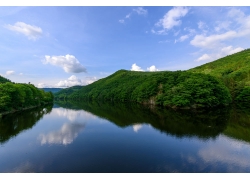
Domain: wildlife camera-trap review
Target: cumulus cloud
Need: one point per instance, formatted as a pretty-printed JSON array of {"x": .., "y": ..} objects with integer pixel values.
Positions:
[
  {"x": 64, "y": 136},
  {"x": 68, "y": 62},
  {"x": 152, "y": 68},
  {"x": 140, "y": 11},
  {"x": 136, "y": 68},
  {"x": 73, "y": 81},
  {"x": 172, "y": 18},
  {"x": 32, "y": 32},
  {"x": 8, "y": 73}
]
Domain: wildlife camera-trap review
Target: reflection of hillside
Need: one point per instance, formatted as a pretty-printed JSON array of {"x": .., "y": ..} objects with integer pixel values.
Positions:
[
  {"x": 13, "y": 124},
  {"x": 177, "y": 123},
  {"x": 239, "y": 124}
]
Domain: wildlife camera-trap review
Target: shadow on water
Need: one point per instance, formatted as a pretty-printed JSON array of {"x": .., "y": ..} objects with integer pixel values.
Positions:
[
  {"x": 13, "y": 124},
  {"x": 181, "y": 123}
]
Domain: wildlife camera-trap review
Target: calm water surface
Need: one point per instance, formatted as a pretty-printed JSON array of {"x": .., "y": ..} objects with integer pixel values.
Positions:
[{"x": 101, "y": 137}]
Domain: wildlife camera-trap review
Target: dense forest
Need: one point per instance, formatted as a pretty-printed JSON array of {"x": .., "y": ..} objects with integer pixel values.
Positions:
[
  {"x": 172, "y": 89},
  {"x": 233, "y": 71},
  {"x": 216, "y": 83},
  {"x": 17, "y": 96}
]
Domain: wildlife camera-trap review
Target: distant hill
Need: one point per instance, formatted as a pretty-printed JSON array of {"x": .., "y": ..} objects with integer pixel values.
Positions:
[
  {"x": 53, "y": 90},
  {"x": 66, "y": 91},
  {"x": 233, "y": 71},
  {"x": 3, "y": 79},
  {"x": 173, "y": 89},
  {"x": 216, "y": 83}
]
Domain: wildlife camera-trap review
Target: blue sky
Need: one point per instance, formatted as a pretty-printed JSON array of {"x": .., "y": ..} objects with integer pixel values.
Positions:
[{"x": 63, "y": 46}]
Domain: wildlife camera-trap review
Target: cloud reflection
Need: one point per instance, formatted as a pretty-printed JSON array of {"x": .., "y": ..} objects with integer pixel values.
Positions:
[
  {"x": 137, "y": 127},
  {"x": 72, "y": 115},
  {"x": 229, "y": 152},
  {"x": 64, "y": 136}
]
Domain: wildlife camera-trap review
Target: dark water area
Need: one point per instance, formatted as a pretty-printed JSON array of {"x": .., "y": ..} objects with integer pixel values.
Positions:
[{"x": 82, "y": 137}]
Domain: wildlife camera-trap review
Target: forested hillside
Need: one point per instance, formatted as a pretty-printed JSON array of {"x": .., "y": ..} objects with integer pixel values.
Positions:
[
  {"x": 172, "y": 89},
  {"x": 3, "y": 80},
  {"x": 233, "y": 71},
  {"x": 16, "y": 96}
]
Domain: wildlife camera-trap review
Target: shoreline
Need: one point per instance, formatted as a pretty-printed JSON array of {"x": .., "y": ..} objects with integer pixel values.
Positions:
[{"x": 14, "y": 111}]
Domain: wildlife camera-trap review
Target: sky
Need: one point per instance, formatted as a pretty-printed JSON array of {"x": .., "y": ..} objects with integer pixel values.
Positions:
[{"x": 63, "y": 46}]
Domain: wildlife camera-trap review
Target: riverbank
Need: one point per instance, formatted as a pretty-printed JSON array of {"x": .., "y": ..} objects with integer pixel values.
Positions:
[{"x": 22, "y": 109}]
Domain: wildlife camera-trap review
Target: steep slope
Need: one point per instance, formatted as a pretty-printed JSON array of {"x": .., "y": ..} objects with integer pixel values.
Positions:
[
  {"x": 173, "y": 89},
  {"x": 3, "y": 80},
  {"x": 233, "y": 71}
]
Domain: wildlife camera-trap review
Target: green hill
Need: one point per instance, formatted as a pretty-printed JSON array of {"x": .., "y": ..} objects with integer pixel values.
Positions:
[
  {"x": 216, "y": 83},
  {"x": 172, "y": 89},
  {"x": 233, "y": 71},
  {"x": 3, "y": 80}
]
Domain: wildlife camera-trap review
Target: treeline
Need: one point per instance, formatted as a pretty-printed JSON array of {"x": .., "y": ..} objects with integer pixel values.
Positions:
[
  {"x": 16, "y": 96},
  {"x": 233, "y": 71},
  {"x": 166, "y": 88},
  {"x": 4, "y": 80}
]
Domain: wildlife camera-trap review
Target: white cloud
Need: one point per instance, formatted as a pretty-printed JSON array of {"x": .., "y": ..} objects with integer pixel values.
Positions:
[
  {"x": 42, "y": 85},
  {"x": 140, "y": 11},
  {"x": 69, "y": 63},
  {"x": 64, "y": 136},
  {"x": 8, "y": 73},
  {"x": 182, "y": 38},
  {"x": 20, "y": 74},
  {"x": 216, "y": 40},
  {"x": 136, "y": 68},
  {"x": 229, "y": 50},
  {"x": 152, "y": 68},
  {"x": 222, "y": 25},
  {"x": 219, "y": 54},
  {"x": 212, "y": 40},
  {"x": 32, "y": 32},
  {"x": 204, "y": 57},
  {"x": 172, "y": 18},
  {"x": 73, "y": 81}
]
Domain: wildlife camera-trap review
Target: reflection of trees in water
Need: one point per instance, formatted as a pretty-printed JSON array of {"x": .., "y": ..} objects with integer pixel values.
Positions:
[
  {"x": 239, "y": 123},
  {"x": 13, "y": 124},
  {"x": 184, "y": 123}
]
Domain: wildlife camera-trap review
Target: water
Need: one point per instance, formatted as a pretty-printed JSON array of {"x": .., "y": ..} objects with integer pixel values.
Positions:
[{"x": 102, "y": 137}]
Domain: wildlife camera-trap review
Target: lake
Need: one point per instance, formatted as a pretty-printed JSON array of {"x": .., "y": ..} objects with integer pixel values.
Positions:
[{"x": 91, "y": 137}]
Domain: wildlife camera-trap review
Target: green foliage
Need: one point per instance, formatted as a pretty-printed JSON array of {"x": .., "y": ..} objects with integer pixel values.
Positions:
[
  {"x": 232, "y": 70},
  {"x": 3, "y": 80},
  {"x": 244, "y": 94},
  {"x": 173, "y": 89},
  {"x": 19, "y": 96}
]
